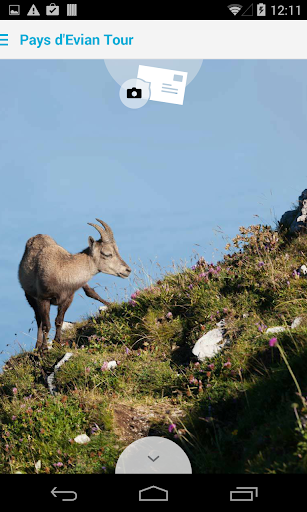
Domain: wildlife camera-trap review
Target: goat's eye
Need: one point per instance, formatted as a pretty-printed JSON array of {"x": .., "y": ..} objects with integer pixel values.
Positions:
[{"x": 106, "y": 255}]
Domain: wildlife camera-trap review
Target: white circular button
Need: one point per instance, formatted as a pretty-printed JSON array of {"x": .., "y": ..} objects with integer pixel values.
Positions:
[
  {"x": 153, "y": 455},
  {"x": 134, "y": 93}
]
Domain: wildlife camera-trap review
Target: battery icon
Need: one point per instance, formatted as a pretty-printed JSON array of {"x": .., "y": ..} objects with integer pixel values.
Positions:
[{"x": 261, "y": 10}]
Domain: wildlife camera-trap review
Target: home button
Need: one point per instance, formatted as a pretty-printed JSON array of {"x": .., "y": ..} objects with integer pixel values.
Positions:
[{"x": 153, "y": 493}]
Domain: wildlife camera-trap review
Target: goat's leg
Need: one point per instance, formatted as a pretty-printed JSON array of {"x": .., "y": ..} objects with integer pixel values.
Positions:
[
  {"x": 62, "y": 308},
  {"x": 34, "y": 305},
  {"x": 90, "y": 292},
  {"x": 44, "y": 311}
]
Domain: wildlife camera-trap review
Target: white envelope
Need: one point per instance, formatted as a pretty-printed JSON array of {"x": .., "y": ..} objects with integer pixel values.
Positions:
[{"x": 166, "y": 85}]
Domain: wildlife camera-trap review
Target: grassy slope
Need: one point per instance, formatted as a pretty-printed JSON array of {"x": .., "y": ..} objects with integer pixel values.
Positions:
[{"x": 245, "y": 413}]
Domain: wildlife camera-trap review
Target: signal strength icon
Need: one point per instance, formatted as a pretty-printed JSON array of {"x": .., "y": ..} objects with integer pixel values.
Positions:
[
  {"x": 249, "y": 11},
  {"x": 235, "y": 8}
]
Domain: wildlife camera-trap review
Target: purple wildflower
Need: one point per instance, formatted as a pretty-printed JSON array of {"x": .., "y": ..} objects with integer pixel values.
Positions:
[
  {"x": 192, "y": 380},
  {"x": 261, "y": 327},
  {"x": 172, "y": 427},
  {"x": 272, "y": 342}
]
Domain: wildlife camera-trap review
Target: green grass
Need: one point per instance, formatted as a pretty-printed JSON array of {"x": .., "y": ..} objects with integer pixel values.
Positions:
[{"x": 243, "y": 411}]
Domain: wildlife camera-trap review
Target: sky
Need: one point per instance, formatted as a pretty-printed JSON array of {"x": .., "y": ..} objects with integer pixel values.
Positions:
[{"x": 170, "y": 180}]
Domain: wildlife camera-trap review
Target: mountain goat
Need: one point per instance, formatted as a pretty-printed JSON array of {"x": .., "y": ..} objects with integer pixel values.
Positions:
[{"x": 49, "y": 275}]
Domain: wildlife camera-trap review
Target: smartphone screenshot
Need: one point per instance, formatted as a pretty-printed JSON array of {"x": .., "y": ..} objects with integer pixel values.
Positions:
[{"x": 153, "y": 306}]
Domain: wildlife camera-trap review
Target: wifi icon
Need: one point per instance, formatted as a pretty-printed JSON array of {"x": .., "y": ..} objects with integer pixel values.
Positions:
[{"x": 234, "y": 8}]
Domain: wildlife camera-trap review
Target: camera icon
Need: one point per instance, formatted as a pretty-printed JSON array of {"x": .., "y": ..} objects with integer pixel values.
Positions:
[{"x": 134, "y": 93}]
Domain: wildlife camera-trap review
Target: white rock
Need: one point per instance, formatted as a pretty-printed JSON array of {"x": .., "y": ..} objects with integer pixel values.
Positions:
[
  {"x": 210, "y": 343},
  {"x": 51, "y": 385},
  {"x": 65, "y": 358},
  {"x": 50, "y": 378},
  {"x": 112, "y": 364},
  {"x": 275, "y": 330},
  {"x": 296, "y": 322},
  {"x": 82, "y": 439},
  {"x": 103, "y": 308},
  {"x": 303, "y": 269},
  {"x": 67, "y": 325}
]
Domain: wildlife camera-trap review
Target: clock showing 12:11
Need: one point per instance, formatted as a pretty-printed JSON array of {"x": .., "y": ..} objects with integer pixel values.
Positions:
[{"x": 290, "y": 10}]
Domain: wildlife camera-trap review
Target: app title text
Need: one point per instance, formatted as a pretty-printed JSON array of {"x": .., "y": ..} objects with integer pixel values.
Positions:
[{"x": 71, "y": 40}]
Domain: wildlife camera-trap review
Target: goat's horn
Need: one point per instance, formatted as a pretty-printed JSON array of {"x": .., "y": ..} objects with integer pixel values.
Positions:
[
  {"x": 103, "y": 234},
  {"x": 107, "y": 228}
]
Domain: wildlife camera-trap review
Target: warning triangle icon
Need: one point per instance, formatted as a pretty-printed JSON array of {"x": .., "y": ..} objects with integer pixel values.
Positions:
[{"x": 33, "y": 11}]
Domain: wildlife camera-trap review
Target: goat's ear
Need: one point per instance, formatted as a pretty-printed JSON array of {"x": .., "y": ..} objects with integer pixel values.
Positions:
[{"x": 91, "y": 242}]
